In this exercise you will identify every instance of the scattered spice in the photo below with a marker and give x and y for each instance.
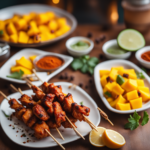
(61, 77)
(97, 40)
(103, 37)
(49, 62)
(86, 87)
(90, 81)
(89, 35)
(101, 56)
(66, 76)
(71, 78)
(80, 84)
(146, 56)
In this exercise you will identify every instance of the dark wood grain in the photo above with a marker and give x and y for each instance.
(135, 140)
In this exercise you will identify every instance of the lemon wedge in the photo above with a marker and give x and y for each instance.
(95, 138)
(113, 139)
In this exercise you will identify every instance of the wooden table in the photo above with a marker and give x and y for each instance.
(135, 140)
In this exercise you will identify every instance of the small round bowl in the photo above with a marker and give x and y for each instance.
(4, 51)
(114, 56)
(79, 53)
(45, 70)
(138, 54)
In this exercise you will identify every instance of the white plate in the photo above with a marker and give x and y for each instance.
(8, 12)
(5, 69)
(69, 134)
(114, 63)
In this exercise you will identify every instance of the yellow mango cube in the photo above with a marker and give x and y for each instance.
(23, 37)
(121, 106)
(129, 85)
(42, 19)
(5, 36)
(119, 68)
(13, 38)
(43, 28)
(2, 25)
(136, 103)
(116, 89)
(30, 41)
(145, 96)
(32, 57)
(103, 80)
(33, 29)
(18, 68)
(132, 95)
(53, 25)
(109, 86)
(21, 24)
(144, 89)
(24, 63)
(113, 74)
(130, 72)
(11, 29)
(103, 72)
(50, 15)
(140, 82)
(110, 99)
(65, 29)
(61, 22)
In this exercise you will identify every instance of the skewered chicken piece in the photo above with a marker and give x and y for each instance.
(52, 123)
(39, 93)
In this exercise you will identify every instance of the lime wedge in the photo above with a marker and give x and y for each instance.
(130, 40)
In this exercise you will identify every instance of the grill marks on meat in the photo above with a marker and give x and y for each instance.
(52, 123)
(14, 104)
(40, 112)
(27, 101)
(79, 110)
(32, 121)
(39, 129)
(19, 112)
(45, 87)
(39, 93)
(60, 115)
(67, 103)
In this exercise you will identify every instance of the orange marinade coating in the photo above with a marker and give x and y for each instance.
(146, 56)
(49, 62)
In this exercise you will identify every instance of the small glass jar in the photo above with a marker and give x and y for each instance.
(4, 51)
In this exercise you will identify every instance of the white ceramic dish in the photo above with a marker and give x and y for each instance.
(140, 60)
(110, 43)
(126, 64)
(5, 69)
(76, 39)
(8, 12)
(68, 134)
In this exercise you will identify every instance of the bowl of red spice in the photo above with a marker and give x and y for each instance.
(48, 62)
(143, 56)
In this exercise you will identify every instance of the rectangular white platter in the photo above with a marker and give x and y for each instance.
(128, 65)
(5, 69)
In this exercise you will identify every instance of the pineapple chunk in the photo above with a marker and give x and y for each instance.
(136, 103)
(103, 72)
(121, 106)
(24, 63)
(129, 85)
(132, 95)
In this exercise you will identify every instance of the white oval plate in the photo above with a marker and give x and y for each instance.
(68, 134)
(5, 69)
(114, 63)
(8, 12)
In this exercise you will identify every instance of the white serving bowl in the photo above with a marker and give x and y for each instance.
(110, 43)
(140, 60)
(79, 53)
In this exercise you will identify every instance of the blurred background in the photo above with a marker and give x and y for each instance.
(85, 11)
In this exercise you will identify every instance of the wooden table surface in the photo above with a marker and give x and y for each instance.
(135, 140)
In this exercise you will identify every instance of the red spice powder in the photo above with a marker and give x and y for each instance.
(49, 62)
(146, 56)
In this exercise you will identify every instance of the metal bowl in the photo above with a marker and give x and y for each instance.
(46, 70)
(8, 12)
(4, 51)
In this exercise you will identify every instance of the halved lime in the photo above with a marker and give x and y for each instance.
(130, 40)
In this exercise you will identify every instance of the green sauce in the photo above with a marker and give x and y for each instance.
(115, 50)
(80, 45)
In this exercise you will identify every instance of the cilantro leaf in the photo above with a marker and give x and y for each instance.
(16, 75)
(144, 69)
(84, 68)
(1, 32)
(5, 114)
(140, 75)
(145, 118)
(91, 70)
(133, 121)
(77, 64)
(108, 94)
(93, 61)
(81, 103)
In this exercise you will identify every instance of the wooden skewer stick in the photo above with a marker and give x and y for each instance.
(66, 116)
(104, 115)
(13, 87)
(45, 129)
(54, 139)
(75, 128)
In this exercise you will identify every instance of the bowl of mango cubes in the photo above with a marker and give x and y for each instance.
(122, 86)
(34, 25)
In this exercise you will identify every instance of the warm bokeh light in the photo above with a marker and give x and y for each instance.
(55, 1)
(114, 16)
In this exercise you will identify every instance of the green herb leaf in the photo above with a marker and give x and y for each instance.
(1, 32)
(86, 57)
(81, 103)
(93, 61)
(133, 121)
(16, 75)
(140, 75)
(144, 69)
(5, 114)
(145, 118)
(91, 70)
(81, 43)
(77, 64)
(108, 94)
(120, 80)
(84, 68)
